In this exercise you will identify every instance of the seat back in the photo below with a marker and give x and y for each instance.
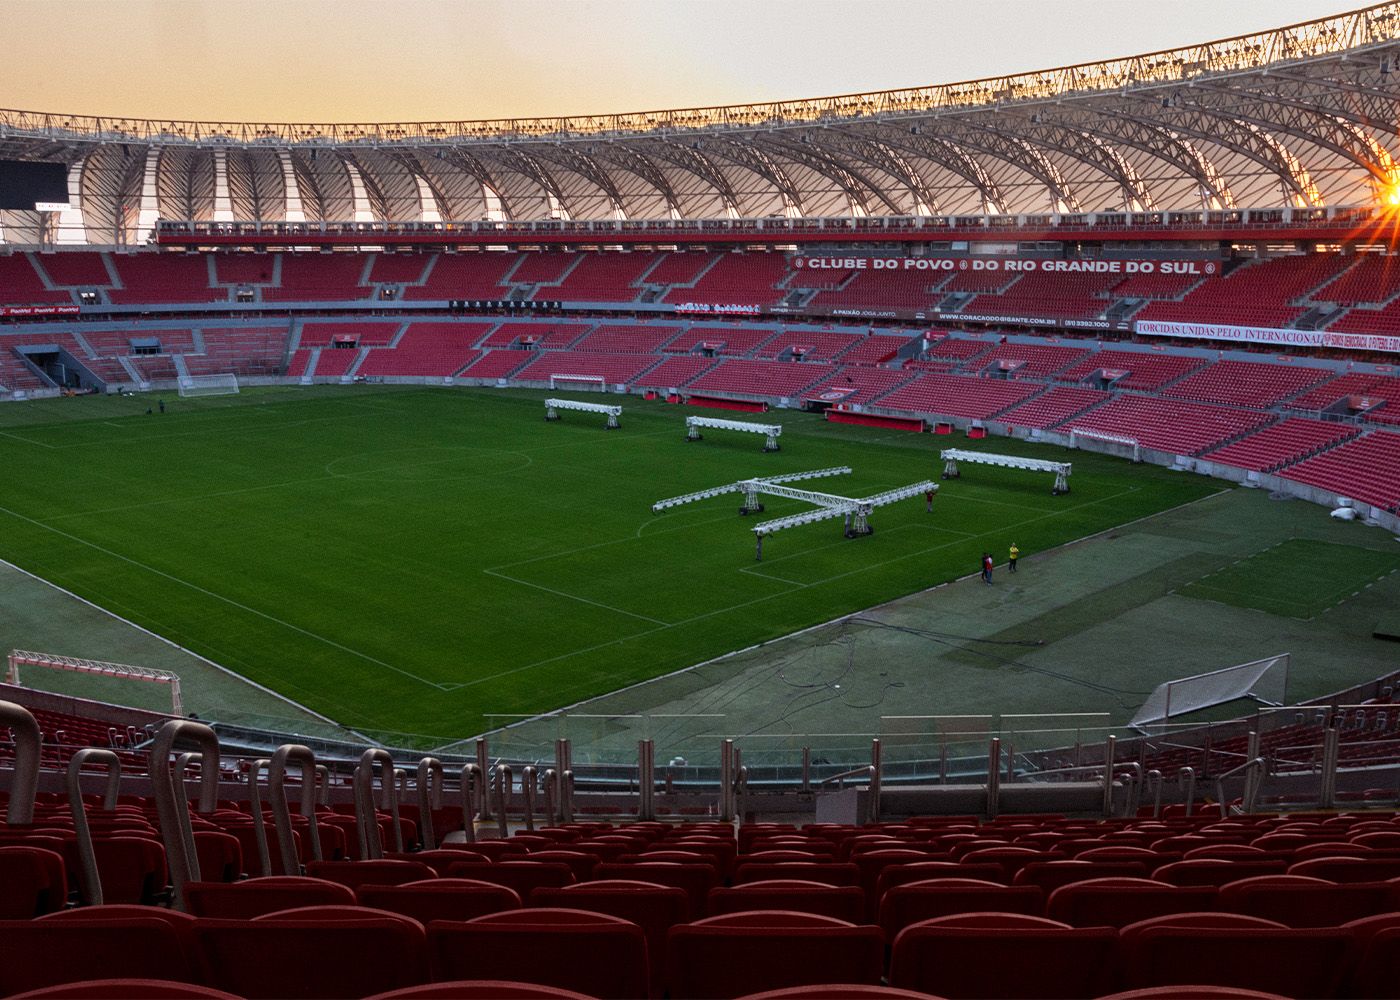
(522, 876)
(327, 959)
(1294, 962)
(256, 896)
(735, 954)
(956, 958)
(441, 898)
(909, 904)
(844, 902)
(1300, 901)
(41, 953)
(1117, 902)
(379, 871)
(594, 953)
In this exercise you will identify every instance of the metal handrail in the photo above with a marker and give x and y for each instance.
(1154, 778)
(176, 830)
(281, 813)
(255, 768)
(527, 795)
(371, 840)
(1250, 767)
(551, 793)
(503, 781)
(1188, 775)
(470, 789)
(24, 787)
(429, 787)
(89, 880)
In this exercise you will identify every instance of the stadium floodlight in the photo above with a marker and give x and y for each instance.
(209, 385)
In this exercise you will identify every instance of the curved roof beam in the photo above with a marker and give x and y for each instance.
(1028, 155)
(635, 163)
(693, 161)
(573, 159)
(880, 155)
(951, 157)
(1159, 141)
(531, 167)
(857, 187)
(759, 162)
(472, 166)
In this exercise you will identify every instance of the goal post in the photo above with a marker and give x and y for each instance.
(209, 385)
(596, 383)
(119, 671)
(1263, 680)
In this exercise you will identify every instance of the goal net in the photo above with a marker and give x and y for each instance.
(594, 382)
(1263, 680)
(209, 385)
(96, 668)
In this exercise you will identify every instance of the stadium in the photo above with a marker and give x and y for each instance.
(936, 542)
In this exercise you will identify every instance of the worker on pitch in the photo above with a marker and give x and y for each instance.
(1015, 554)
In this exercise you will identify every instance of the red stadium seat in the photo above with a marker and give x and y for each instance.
(738, 953)
(345, 955)
(1286, 960)
(441, 898)
(1299, 901)
(917, 901)
(381, 871)
(126, 989)
(256, 896)
(41, 953)
(481, 989)
(842, 902)
(595, 953)
(1117, 902)
(991, 955)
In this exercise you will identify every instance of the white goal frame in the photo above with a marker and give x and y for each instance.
(121, 671)
(1266, 681)
(209, 385)
(578, 382)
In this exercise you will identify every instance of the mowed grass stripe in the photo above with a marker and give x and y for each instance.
(319, 542)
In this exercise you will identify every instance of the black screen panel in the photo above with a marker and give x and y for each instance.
(25, 183)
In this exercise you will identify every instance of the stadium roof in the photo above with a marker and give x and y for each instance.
(1302, 116)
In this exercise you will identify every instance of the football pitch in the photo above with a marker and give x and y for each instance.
(426, 561)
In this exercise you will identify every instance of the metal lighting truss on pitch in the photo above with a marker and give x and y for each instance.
(551, 406)
(952, 456)
(1302, 117)
(855, 511)
(770, 432)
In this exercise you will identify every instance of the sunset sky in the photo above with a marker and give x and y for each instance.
(411, 60)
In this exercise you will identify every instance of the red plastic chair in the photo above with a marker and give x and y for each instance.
(654, 908)
(825, 872)
(41, 953)
(734, 954)
(522, 876)
(1300, 901)
(844, 902)
(32, 881)
(839, 991)
(481, 989)
(1193, 992)
(379, 871)
(331, 958)
(126, 989)
(989, 955)
(1214, 871)
(596, 953)
(1117, 902)
(1050, 875)
(921, 871)
(441, 899)
(1290, 961)
(909, 904)
(1345, 869)
(696, 880)
(256, 896)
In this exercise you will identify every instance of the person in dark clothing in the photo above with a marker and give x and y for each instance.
(162, 406)
(928, 501)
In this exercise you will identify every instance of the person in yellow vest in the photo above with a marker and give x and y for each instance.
(1015, 554)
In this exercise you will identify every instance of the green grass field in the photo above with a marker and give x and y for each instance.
(1299, 578)
(414, 561)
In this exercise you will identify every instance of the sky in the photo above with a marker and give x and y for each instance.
(420, 60)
